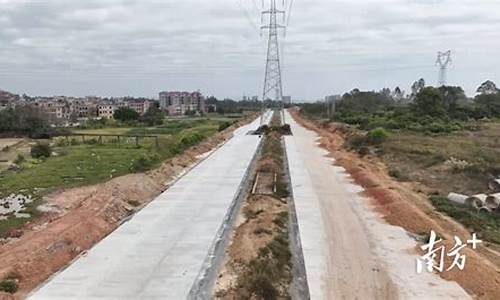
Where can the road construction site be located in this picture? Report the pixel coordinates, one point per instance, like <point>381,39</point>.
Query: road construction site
<point>163,250</point>
<point>174,247</point>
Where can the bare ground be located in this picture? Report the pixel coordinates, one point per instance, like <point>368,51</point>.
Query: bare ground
<point>78,218</point>
<point>256,227</point>
<point>406,205</point>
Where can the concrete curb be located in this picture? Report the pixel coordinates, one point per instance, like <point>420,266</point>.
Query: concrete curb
<point>203,286</point>
<point>299,288</point>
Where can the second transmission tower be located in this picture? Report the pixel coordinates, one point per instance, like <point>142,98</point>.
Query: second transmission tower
<point>443,60</point>
<point>273,87</point>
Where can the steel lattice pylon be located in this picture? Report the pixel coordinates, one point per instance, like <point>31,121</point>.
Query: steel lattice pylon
<point>273,87</point>
<point>443,60</point>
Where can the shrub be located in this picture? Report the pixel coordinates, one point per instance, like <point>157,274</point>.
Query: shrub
<point>61,143</point>
<point>457,165</point>
<point>144,163</point>
<point>92,141</point>
<point>191,139</point>
<point>8,285</point>
<point>363,151</point>
<point>378,135</point>
<point>224,126</point>
<point>20,158</point>
<point>126,114</point>
<point>41,150</point>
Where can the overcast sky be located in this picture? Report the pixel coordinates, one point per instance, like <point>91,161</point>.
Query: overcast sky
<point>139,47</point>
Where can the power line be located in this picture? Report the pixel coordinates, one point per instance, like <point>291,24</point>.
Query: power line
<point>256,6</point>
<point>289,13</point>
<point>248,17</point>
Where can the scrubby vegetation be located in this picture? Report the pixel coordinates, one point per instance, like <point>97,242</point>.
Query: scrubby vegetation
<point>41,150</point>
<point>485,225</point>
<point>427,109</point>
<point>27,121</point>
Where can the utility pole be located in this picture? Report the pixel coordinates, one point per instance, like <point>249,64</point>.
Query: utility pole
<point>273,87</point>
<point>443,60</point>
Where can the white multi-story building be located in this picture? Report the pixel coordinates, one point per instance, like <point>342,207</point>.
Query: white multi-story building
<point>179,103</point>
<point>106,111</point>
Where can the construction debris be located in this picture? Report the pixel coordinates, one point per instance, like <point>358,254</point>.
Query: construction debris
<point>14,204</point>
<point>494,185</point>
<point>493,201</point>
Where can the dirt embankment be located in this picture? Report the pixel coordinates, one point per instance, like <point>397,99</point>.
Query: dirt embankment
<point>406,205</point>
<point>77,218</point>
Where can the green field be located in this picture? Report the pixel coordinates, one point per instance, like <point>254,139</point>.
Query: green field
<point>79,163</point>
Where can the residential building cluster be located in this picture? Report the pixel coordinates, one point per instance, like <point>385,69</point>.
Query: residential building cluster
<point>181,103</point>
<point>74,108</point>
<point>71,108</point>
<point>8,100</point>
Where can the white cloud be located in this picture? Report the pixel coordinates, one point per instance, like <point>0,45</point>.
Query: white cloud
<point>117,47</point>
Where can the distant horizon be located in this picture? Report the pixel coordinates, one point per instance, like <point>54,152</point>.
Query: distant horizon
<point>156,96</point>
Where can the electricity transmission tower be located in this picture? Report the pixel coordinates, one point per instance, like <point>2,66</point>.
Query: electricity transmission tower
<point>443,60</point>
<point>273,87</point>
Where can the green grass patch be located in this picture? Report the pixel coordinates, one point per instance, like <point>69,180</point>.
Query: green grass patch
<point>487,226</point>
<point>79,164</point>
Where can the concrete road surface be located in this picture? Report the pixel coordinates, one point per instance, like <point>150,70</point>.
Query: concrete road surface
<point>349,252</point>
<point>159,253</point>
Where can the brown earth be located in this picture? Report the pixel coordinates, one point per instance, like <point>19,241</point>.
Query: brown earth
<point>78,218</point>
<point>406,205</point>
<point>255,228</point>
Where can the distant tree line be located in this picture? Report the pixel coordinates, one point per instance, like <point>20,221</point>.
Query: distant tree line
<point>229,106</point>
<point>427,109</point>
<point>153,116</point>
<point>26,121</point>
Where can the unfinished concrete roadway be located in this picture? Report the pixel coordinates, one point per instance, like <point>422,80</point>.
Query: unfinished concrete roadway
<point>160,252</point>
<point>349,252</point>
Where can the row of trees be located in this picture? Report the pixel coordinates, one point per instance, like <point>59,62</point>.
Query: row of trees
<point>153,116</point>
<point>33,122</point>
<point>441,109</point>
<point>445,101</point>
<point>26,120</point>
<point>229,106</point>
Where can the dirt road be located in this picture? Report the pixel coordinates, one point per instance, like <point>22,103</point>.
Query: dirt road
<point>349,251</point>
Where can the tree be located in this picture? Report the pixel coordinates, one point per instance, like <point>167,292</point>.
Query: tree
<point>386,92</point>
<point>452,97</point>
<point>41,150</point>
<point>489,104</point>
<point>430,102</point>
<point>487,88</point>
<point>26,120</point>
<point>153,116</point>
<point>417,87</point>
<point>125,114</point>
<point>368,102</point>
<point>398,95</point>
